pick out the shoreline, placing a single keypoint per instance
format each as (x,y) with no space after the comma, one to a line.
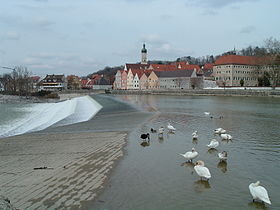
(58,170)
(204,92)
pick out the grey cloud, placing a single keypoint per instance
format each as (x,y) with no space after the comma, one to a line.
(248,29)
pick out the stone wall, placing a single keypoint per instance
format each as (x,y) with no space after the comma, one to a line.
(211,92)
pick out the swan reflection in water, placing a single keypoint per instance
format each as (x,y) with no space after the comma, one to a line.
(201,185)
(160,139)
(257,205)
(223,166)
(213,151)
(194,141)
(145,143)
(189,165)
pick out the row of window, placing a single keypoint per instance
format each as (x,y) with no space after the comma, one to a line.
(235,78)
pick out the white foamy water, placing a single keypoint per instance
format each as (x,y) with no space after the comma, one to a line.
(41,116)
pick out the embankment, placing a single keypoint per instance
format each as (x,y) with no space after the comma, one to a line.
(205,92)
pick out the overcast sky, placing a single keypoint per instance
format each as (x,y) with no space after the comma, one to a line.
(82,36)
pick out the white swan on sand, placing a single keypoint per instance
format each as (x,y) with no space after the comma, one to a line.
(171,128)
(225,136)
(213,144)
(259,192)
(222,156)
(194,135)
(201,170)
(190,155)
(219,131)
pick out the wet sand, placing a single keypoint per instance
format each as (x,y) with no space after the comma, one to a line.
(71,167)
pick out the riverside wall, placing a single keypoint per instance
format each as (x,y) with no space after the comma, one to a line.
(204,92)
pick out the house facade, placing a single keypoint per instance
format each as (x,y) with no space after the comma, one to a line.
(229,70)
(124,80)
(53,82)
(143,82)
(118,80)
(179,79)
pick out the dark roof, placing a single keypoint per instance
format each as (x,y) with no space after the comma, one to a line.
(101,81)
(144,50)
(58,78)
(175,73)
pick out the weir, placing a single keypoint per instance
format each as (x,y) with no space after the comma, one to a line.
(43,115)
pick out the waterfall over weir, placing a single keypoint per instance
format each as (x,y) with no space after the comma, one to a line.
(43,115)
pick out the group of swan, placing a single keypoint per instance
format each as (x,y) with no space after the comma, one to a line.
(257,191)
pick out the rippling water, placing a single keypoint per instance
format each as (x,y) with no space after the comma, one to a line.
(157,177)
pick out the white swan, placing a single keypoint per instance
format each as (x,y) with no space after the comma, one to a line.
(226,136)
(207,113)
(161,130)
(190,155)
(222,156)
(219,131)
(201,170)
(213,144)
(259,192)
(171,128)
(194,135)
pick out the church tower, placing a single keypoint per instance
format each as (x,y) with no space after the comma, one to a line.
(144,55)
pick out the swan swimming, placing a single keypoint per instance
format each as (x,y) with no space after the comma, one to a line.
(194,135)
(207,113)
(160,131)
(201,170)
(219,131)
(222,156)
(171,128)
(190,155)
(259,192)
(225,136)
(213,144)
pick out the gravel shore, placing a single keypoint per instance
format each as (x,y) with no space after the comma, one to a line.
(57,171)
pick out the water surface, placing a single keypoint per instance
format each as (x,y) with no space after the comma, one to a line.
(157,177)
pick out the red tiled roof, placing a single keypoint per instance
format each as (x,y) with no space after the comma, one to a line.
(163,67)
(237,59)
(208,66)
(136,66)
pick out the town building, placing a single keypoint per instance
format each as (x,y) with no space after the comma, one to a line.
(101,84)
(53,82)
(229,70)
(179,79)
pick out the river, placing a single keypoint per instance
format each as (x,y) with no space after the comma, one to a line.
(155,176)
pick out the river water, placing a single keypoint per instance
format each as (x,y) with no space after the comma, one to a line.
(155,176)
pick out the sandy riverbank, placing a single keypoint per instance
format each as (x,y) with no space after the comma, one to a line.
(77,164)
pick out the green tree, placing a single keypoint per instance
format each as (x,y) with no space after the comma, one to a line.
(241,82)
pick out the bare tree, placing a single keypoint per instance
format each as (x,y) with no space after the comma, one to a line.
(272,60)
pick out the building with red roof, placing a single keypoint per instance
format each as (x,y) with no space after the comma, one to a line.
(229,70)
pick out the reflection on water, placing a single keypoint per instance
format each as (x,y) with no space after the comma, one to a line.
(145,143)
(213,151)
(160,138)
(257,205)
(194,141)
(201,185)
(222,165)
(254,155)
